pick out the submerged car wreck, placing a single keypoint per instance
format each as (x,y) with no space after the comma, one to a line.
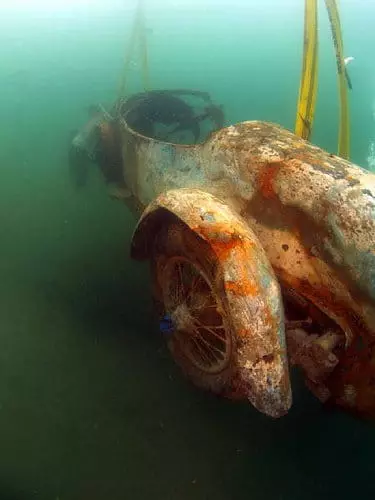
(262,252)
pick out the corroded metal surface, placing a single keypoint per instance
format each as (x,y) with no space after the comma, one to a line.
(315,355)
(251,290)
(313,213)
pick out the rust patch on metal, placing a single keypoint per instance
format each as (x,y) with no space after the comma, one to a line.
(244,332)
(349,379)
(242,287)
(325,298)
(267,178)
(353,382)
(313,213)
(222,240)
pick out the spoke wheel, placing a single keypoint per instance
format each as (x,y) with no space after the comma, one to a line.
(187,287)
(212,335)
(196,313)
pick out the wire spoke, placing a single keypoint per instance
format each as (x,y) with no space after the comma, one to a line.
(212,332)
(211,346)
(193,285)
(193,302)
(180,273)
(201,350)
(202,304)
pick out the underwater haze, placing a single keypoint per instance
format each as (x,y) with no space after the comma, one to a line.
(91,405)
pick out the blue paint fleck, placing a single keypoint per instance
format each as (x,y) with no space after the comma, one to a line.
(208,217)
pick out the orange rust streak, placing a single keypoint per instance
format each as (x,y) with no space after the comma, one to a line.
(242,287)
(221,239)
(243,332)
(266,179)
(227,243)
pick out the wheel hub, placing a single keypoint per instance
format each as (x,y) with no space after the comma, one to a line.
(182,318)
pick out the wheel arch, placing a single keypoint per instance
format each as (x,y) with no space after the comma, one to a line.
(249,283)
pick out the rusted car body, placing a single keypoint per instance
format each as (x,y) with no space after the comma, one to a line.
(262,250)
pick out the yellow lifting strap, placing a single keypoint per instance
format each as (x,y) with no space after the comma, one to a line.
(138,34)
(309,77)
(344,132)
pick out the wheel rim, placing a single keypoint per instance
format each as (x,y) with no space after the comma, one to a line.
(200,329)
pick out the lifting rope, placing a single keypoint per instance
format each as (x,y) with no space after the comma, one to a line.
(138,34)
(344,132)
(309,78)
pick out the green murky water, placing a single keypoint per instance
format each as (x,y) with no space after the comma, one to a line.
(91,406)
